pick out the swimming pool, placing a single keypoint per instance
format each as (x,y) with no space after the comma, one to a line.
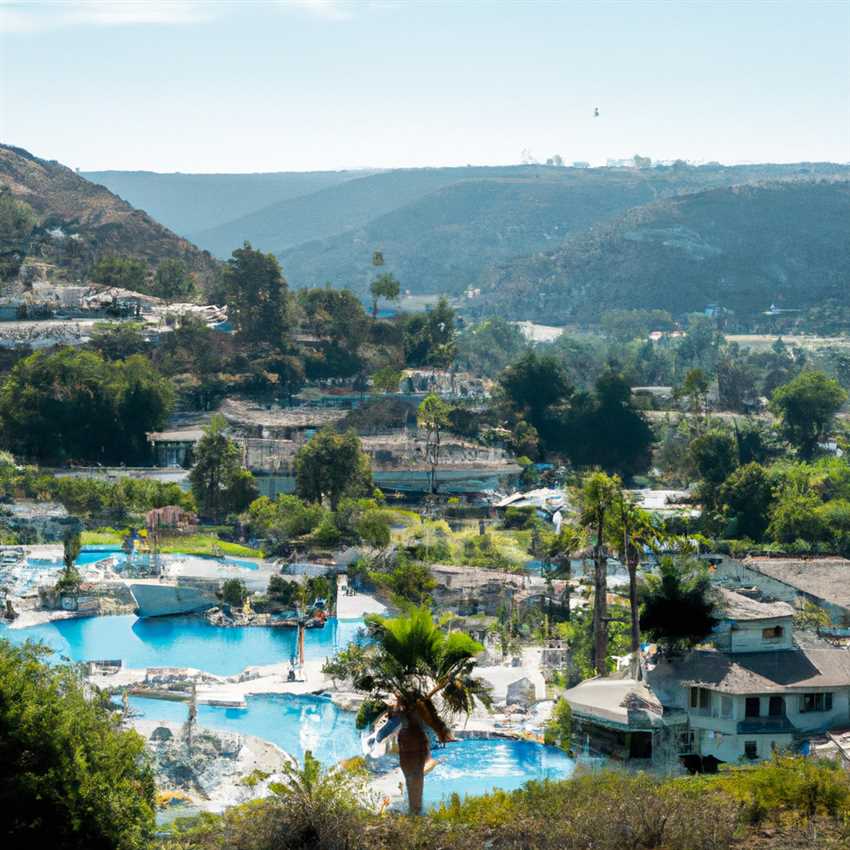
(478,765)
(182,641)
(299,723)
(294,723)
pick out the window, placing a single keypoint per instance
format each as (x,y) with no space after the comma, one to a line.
(725,705)
(776,707)
(753,707)
(751,749)
(815,702)
(774,633)
(701,699)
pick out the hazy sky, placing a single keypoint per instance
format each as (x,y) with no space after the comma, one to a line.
(321,84)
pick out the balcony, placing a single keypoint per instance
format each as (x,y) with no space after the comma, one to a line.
(765,726)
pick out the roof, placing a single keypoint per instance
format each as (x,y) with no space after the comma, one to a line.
(546,499)
(736,606)
(178,435)
(608,699)
(814,664)
(822,578)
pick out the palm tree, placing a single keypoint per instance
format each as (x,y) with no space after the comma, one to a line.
(413,663)
(631,532)
(599,494)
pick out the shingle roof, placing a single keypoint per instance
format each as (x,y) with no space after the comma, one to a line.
(736,606)
(815,664)
(824,578)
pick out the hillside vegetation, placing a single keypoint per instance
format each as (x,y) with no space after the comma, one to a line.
(191,202)
(744,247)
(72,223)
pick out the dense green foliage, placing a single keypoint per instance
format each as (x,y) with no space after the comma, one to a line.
(124,272)
(219,483)
(70,777)
(74,405)
(678,609)
(331,466)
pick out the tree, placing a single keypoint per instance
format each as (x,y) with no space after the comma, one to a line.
(678,609)
(119,340)
(413,663)
(74,405)
(558,730)
(694,389)
(70,777)
(746,497)
(387,380)
(632,531)
(69,581)
(806,407)
(383,286)
(606,431)
(219,483)
(599,493)
(558,553)
(331,466)
(533,385)
(173,282)
(432,417)
(257,295)
(234,592)
(123,272)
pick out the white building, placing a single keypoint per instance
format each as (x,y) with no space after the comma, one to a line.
(760,688)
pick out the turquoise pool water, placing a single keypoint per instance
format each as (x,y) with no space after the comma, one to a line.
(182,641)
(298,723)
(478,765)
(294,723)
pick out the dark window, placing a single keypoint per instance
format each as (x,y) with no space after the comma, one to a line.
(694,697)
(704,698)
(777,707)
(753,707)
(772,633)
(751,750)
(815,702)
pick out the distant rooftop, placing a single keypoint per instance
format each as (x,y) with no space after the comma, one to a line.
(823,578)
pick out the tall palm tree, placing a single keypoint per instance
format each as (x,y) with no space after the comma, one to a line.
(415,663)
(631,532)
(598,495)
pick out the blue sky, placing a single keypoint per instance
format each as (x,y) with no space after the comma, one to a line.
(323,84)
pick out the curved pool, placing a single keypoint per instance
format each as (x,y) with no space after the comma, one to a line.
(182,641)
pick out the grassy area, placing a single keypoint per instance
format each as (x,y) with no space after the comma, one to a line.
(193,544)
(206,544)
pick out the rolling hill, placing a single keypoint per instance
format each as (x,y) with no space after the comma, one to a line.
(445,240)
(742,247)
(334,210)
(192,202)
(76,222)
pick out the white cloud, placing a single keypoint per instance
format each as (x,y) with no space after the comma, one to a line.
(18,16)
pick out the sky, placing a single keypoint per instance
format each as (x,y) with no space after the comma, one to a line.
(298,85)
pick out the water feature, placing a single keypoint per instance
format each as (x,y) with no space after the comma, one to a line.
(182,641)
(294,723)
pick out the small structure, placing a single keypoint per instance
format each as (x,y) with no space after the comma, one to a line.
(545,501)
(171,517)
(175,448)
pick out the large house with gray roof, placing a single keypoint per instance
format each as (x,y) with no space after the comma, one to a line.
(759,688)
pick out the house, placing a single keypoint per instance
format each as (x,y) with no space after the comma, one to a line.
(759,688)
(823,581)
